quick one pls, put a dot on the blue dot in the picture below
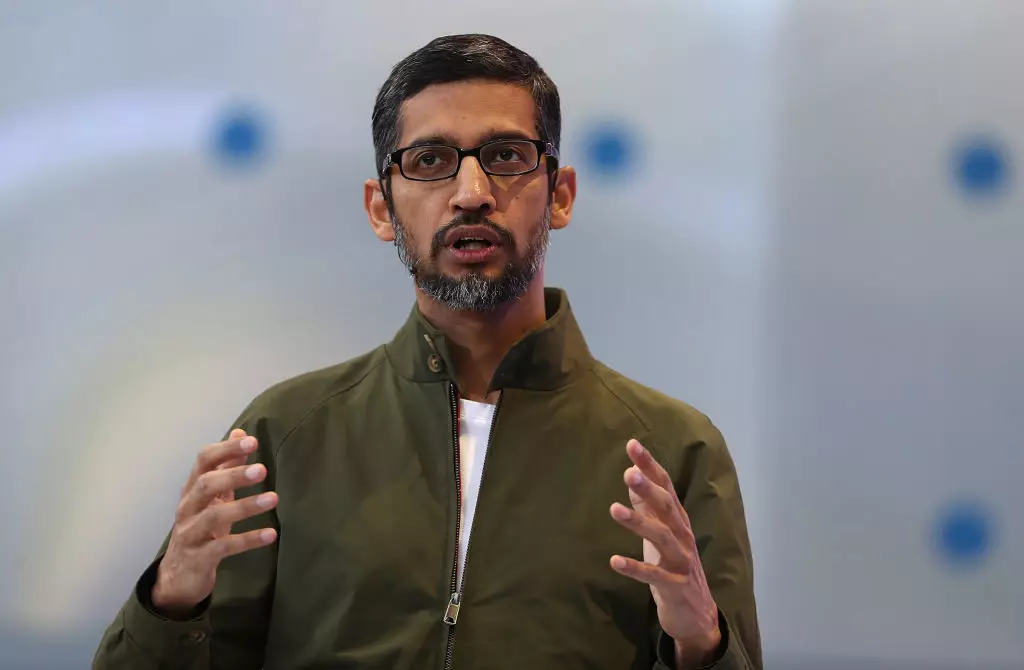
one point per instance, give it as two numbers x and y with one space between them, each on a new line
982 167
964 534
610 149
241 137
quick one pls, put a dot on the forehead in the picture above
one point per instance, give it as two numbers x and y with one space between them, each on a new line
467 112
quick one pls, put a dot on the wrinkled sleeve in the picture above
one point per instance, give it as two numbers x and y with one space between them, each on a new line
229 630
709 490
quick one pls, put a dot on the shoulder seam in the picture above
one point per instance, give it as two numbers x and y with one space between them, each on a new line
602 382
320 404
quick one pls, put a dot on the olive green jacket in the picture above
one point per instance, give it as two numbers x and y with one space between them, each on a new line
363 457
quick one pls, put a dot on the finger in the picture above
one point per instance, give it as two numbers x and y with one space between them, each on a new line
647 495
651 468
229 545
674 551
212 455
646 573
236 434
227 513
232 463
216 482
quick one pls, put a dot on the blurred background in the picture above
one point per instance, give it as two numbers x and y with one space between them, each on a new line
802 216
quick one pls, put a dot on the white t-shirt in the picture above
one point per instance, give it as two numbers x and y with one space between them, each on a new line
474 429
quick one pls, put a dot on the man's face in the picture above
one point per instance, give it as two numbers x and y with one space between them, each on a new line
511 213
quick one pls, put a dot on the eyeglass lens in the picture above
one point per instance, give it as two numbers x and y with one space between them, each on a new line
504 157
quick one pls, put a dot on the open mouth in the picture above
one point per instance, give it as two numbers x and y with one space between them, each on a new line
473 239
471 244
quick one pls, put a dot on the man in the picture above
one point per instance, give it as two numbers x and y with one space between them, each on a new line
454 498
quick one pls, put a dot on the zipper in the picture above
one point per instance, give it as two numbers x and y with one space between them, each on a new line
451 612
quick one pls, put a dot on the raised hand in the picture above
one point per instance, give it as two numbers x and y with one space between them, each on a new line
671 566
201 537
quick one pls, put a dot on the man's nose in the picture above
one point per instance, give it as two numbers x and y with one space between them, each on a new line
472 188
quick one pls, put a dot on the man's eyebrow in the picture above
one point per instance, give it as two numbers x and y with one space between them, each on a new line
492 135
489 136
431 139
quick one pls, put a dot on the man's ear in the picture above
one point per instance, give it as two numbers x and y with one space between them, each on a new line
377 210
562 197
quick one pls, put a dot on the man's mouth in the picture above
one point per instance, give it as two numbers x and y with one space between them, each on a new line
471 243
471 238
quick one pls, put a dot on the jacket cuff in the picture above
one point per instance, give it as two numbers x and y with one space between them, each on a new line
179 642
729 656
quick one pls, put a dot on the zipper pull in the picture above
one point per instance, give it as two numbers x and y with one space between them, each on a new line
451 614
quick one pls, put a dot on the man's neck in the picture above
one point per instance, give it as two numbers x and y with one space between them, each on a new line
478 341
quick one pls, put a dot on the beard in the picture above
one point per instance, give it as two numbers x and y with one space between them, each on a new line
474 291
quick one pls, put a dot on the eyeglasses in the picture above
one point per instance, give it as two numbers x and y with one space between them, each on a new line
502 158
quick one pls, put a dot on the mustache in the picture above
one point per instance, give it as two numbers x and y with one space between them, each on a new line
471 220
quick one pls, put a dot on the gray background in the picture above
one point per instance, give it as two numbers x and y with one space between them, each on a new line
786 246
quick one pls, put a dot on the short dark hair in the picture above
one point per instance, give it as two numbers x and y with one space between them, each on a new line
458 58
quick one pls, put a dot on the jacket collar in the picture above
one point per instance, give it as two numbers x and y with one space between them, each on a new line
546 358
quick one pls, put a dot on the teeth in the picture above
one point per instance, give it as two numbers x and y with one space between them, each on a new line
471 243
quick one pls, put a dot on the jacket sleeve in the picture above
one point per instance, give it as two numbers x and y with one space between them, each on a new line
709 490
230 629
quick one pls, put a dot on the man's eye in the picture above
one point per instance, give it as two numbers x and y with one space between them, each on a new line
506 155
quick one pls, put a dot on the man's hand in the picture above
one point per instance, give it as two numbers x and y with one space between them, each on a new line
201 536
671 565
